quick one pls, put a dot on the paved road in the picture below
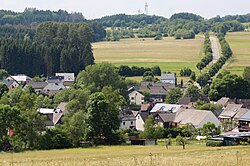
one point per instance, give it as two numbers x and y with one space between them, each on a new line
215 48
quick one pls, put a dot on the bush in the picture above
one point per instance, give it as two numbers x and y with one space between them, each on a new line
214 143
158 37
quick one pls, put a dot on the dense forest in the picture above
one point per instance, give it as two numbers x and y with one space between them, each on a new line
64 47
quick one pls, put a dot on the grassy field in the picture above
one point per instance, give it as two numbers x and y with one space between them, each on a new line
240 44
132 156
170 54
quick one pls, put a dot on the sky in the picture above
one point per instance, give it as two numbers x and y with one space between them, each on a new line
98 8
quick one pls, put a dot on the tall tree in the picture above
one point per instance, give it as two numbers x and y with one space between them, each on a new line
173 95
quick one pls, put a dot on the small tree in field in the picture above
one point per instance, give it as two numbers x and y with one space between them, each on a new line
181 141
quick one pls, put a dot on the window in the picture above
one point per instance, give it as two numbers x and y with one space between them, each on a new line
131 122
142 98
132 98
123 123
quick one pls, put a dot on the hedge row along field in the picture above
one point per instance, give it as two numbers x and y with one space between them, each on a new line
208 53
213 70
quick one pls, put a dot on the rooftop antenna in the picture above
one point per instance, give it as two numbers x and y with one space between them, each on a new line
146 8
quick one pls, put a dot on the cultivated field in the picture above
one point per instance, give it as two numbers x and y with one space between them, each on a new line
170 54
133 156
240 44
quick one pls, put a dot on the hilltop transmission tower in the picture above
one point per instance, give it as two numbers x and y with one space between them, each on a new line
146 8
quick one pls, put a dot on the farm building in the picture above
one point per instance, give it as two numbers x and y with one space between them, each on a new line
136 97
168 78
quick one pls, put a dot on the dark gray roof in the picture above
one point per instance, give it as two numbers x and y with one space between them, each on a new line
126 114
54 86
155 88
246 116
167 117
144 115
8 82
37 85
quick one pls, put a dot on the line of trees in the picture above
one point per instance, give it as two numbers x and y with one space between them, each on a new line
213 70
127 71
207 49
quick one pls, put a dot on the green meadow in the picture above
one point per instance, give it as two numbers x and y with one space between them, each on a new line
240 44
170 54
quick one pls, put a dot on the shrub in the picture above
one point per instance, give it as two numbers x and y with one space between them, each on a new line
214 143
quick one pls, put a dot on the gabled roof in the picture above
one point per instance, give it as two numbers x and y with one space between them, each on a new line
62 107
136 92
54 86
144 115
223 101
54 115
162 107
145 107
37 85
20 78
230 111
240 113
191 116
9 82
167 117
126 114
168 76
68 77
246 116
155 88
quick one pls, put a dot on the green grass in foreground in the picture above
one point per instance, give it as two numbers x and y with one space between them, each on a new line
133 156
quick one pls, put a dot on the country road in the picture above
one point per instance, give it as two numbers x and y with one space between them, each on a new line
215 48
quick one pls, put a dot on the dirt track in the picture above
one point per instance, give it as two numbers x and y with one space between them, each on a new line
215 48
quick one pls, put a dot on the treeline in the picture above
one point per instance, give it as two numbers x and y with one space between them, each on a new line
63 47
207 49
240 18
115 34
213 70
29 20
133 21
126 71
183 25
32 15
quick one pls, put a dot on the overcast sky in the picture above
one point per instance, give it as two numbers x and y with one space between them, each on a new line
98 8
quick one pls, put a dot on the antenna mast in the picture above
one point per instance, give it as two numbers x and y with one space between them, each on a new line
146 8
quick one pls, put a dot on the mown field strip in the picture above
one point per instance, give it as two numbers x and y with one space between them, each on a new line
240 44
170 54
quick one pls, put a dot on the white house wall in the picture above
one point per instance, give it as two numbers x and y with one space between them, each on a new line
136 98
139 123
